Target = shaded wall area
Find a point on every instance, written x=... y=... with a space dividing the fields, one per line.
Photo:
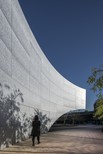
x=13 y=122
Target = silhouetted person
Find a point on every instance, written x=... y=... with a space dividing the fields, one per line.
x=35 y=130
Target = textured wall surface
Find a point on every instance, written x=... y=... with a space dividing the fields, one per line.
x=23 y=65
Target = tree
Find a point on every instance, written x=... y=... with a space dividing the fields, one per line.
x=98 y=108
x=96 y=83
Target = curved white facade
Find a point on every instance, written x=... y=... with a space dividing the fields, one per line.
x=24 y=65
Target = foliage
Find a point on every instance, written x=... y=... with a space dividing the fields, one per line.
x=96 y=81
x=98 y=108
x=43 y=119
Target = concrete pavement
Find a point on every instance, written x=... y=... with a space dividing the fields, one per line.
x=84 y=139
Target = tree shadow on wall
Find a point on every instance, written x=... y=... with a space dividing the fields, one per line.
x=13 y=123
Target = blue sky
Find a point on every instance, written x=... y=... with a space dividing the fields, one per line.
x=70 y=33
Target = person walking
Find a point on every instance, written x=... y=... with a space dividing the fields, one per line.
x=35 y=130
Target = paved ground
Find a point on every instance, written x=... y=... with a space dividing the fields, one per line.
x=76 y=140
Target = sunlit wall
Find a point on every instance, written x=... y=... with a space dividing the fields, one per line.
x=23 y=65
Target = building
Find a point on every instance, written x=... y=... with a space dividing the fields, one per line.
x=24 y=66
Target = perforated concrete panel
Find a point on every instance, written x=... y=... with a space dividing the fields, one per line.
x=23 y=65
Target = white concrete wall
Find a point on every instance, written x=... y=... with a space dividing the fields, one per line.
x=24 y=65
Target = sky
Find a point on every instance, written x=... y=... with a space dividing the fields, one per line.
x=70 y=33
